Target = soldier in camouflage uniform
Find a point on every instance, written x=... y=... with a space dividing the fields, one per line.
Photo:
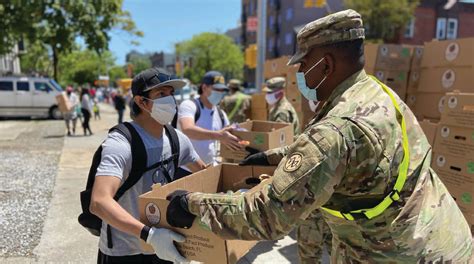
x=363 y=150
x=281 y=109
x=236 y=104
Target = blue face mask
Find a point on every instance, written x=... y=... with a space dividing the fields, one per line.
x=215 y=97
x=308 y=93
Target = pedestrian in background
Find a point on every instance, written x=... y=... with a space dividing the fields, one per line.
x=281 y=109
x=86 y=109
x=96 y=109
x=71 y=116
x=236 y=104
x=119 y=103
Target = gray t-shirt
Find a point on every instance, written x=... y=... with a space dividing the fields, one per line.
x=117 y=161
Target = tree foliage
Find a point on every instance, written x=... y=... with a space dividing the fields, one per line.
x=211 y=51
x=57 y=24
x=383 y=19
x=140 y=63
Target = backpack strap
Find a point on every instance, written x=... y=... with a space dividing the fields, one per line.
x=174 y=142
x=221 y=115
x=199 y=105
x=139 y=162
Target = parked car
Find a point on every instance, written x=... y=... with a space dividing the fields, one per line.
x=29 y=97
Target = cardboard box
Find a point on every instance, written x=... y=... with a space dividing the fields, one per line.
x=276 y=67
x=397 y=80
x=459 y=109
x=63 y=103
x=410 y=100
x=446 y=79
x=262 y=135
x=428 y=105
x=430 y=129
x=416 y=57
x=457 y=52
x=413 y=81
x=259 y=114
x=455 y=141
x=258 y=101
x=387 y=57
x=202 y=245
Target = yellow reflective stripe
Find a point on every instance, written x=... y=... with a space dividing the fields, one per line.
x=240 y=97
x=402 y=171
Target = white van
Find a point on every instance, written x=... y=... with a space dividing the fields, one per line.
x=29 y=97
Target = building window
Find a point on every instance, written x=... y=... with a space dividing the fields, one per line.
x=288 y=39
x=271 y=20
x=452 y=31
x=250 y=7
x=410 y=28
x=441 y=28
x=271 y=44
x=289 y=14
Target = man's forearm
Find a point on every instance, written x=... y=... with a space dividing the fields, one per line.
x=111 y=212
x=198 y=133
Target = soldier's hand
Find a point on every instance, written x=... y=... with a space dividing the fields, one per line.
x=255 y=159
x=177 y=213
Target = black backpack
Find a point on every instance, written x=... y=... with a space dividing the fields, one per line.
x=197 y=115
x=139 y=166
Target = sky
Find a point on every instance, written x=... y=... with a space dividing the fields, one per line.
x=166 y=22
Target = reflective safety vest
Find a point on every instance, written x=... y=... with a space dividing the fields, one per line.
x=394 y=195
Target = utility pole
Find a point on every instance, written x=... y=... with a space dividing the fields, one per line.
x=261 y=42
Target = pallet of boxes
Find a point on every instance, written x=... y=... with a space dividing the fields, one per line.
x=453 y=154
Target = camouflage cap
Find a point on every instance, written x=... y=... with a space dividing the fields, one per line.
x=274 y=84
x=234 y=84
x=338 y=27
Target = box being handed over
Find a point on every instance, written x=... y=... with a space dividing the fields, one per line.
x=201 y=244
x=261 y=135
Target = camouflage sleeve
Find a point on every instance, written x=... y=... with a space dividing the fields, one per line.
x=283 y=117
x=274 y=156
x=304 y=180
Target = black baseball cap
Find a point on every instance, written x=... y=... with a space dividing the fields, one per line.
x=154 y=78
x=216 y=79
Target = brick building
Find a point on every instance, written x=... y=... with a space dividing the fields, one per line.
x=432 y=21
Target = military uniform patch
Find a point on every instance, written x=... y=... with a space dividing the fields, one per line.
x=294 y=162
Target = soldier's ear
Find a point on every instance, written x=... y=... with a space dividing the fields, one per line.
x=329 y=64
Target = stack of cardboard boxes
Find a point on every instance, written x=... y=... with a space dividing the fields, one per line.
x=390 y=63
x=414 y=76
x=446 y=66
x=453 y=157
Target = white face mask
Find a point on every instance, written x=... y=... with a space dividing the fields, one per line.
x=272 y=98
x=313 y=105
x=163 y=110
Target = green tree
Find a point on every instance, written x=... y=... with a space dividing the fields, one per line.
x=117 y=72
x=383 y=19
x=36 y=59
x=211 y=51
x=58 y=23
x=140 y=63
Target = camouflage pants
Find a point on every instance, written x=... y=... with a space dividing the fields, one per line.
x=311 y=234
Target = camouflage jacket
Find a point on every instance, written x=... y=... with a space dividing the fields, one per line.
x=243 y=111
x=284 y=112
x=347 y=159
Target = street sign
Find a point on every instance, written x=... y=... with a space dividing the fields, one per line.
x=252 y=24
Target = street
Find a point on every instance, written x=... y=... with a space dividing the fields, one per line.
x=42 y=174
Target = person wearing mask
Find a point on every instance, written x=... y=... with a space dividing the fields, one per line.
x=86 y=109
x=363 y=162
x=153 y=107
x=281 y=109
x=71 y=116
x=204 y=122
x=236 y=104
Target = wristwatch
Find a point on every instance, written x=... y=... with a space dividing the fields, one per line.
x=144 y=233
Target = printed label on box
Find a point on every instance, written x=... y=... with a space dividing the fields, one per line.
x=452 y=51
x=445 y=132
x=448 y=78
x=452 y=102
x=152 y=213
x=441 y=104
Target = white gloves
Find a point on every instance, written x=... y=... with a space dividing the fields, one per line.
x=161 y=239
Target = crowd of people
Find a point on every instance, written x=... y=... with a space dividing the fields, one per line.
x=358 y=175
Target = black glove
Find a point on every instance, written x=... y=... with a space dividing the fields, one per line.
x=255 y=159
x=177 y=213
x=251 y=150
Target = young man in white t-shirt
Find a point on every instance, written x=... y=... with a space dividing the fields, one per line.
x=153 y=107
x=211 y=126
